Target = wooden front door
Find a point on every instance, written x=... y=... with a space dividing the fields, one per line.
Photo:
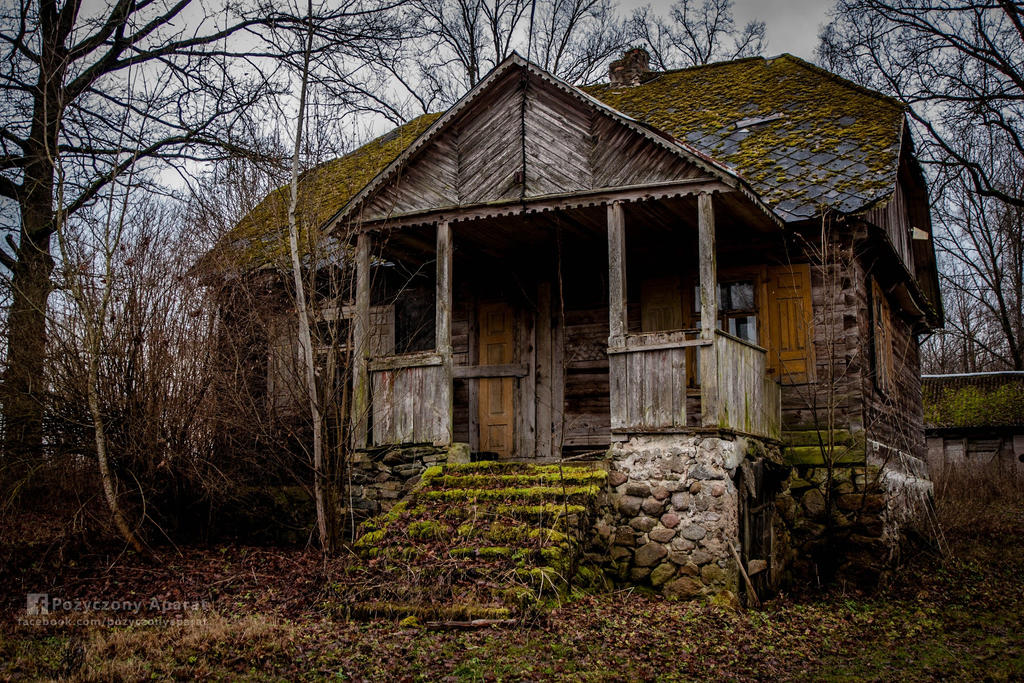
x=497 y=406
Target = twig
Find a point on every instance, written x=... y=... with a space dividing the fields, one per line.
x=746 y=579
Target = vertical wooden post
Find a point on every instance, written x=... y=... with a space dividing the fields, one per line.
x=617 y=322
x=361 y=344
x=543 y=398
x=443 y=318
x=708 y=310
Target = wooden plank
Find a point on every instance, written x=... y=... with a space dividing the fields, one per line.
x=708 y=308
x=473 y=386
x=617 y=322
x=557 y=385
x=543 y=390
x=443 y=327
x=483 y=371
x=617 y=368
x=360 y=344
x=678 y=370
x=417 y=359
x=528 y=389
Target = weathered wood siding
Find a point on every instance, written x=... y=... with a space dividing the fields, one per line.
x=410 y=399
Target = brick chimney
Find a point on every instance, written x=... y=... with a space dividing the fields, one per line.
x=629 y=70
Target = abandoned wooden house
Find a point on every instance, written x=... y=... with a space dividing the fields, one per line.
x=709 y=283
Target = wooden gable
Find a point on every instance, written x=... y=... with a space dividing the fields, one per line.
x=522 y=137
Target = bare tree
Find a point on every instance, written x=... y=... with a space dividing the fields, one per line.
x=957 y=64
x=696 y=34
x=202 y=74
x=575 y=39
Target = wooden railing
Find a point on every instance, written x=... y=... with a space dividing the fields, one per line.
x=648 y=381
x=747 y=399
x=648 y=385
x=411 y=398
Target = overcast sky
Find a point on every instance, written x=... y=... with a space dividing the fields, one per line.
x=791 y=25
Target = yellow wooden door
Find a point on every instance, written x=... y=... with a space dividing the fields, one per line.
x=661 y=304
x=496 y=404
x=790 y=338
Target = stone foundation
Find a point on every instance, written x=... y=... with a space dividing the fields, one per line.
x=671 y=513
x=382 y=477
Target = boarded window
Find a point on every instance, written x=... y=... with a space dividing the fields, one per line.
x=881 y=327
x=790 y=324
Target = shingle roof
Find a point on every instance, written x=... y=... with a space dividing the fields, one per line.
x=987 y=399
x=804 y=139
x=262 y=236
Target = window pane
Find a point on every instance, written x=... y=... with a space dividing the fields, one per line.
x=742 y=296
x=744 y=327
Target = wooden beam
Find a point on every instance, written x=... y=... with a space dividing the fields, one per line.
x=544 y=373
x=487 y=371
x=361 y=344
x=617 y=323
x=443 y=315
x=708 y=309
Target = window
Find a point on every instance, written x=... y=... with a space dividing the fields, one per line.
x=737 y=308
x=881 y=328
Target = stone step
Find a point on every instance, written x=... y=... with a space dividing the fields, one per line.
x=478 y=538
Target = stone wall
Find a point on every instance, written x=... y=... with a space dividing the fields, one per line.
x=671 y=511
x=853 y=527
x=381 y=477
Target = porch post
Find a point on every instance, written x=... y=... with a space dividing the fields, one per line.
x=361 y=344
x=617 y=322
x=443 y=318
x=708 y=310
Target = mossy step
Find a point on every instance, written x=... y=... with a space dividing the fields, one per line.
x=815 y=437
x=427 y=612
x=531 y=494
x=813 y=455
x=492 y=480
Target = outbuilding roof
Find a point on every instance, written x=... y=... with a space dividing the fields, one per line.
x=973 y=401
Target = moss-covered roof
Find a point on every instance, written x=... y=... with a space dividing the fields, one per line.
x=262 y=236
x=982 y=400
x=803 y=138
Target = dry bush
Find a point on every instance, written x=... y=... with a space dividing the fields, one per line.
x=975 y=502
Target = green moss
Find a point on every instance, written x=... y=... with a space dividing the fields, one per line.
x=427 y=530
x=430 y=473
x=975 y=406
x=370 y=539
x=486 y=552
x=532 y=493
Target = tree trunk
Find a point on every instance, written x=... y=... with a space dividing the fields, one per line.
x=24 y=382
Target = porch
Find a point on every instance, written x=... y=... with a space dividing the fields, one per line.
x=560 y=326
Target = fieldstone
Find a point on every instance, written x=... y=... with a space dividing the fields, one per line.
x=681 y=501
x=603 y=529
x=717 y=490
x=677 y=464
x=638 y=489
x=625 y=536
x=619 y=553
x=653 y=506
x=702 y=503
x=677 y=557
x=694 y=532
x=689 y=569
x=616 y=478
x=712 y=516
x=659 y=492
x=682 y=544
x=700 y=557
x=695 y=487
x=682 y=588
x=755 y=567
x=643 y=524
x=670 y=520
x=662 y=573
x=814 y=502
x=662 y=535
x=701 y=471
x=629 y=506
x=712 y=573
x=639 y=573
x=650 y=554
